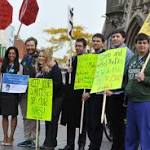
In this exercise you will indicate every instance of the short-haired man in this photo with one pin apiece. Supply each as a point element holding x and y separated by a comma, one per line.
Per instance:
<point>138,92</point>
<point>71,110</point>
<point>28,63</point>
<point>94,103</point>
<point>116,111</point>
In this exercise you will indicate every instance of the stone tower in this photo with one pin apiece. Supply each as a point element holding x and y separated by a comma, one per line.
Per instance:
<point>128,15</point>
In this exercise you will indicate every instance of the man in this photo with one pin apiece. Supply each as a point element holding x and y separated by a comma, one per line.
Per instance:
<point>28,63</point>
<point>138,92</point>
<point>94,103</point>
<point>116,111</point>
<point>71,110</point>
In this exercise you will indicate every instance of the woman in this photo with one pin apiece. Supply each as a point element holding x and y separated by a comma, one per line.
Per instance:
<point>9,101</point>
<point>46,67</point>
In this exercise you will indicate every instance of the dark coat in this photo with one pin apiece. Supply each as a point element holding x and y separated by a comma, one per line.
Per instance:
<point>71,107</point>
<point>28,63</point>
<point>56,76</point>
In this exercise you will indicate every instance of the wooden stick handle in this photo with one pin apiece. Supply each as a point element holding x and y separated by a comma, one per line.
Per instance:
<point>103,107</point>
<point>145,64</point>
<point>70,61</point>
<point>37,135</point>
<point>18,31</point>
<point>82,114</point>
<point>70,65</point>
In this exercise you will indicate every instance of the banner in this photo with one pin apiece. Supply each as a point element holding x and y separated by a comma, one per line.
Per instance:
<point>146,26</point>
<point>14,83</point>
<point>39,106</point>
<point>86,65</point>
<point>110,70</point>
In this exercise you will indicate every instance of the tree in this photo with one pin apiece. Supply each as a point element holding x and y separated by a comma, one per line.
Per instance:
<point>59,37</point>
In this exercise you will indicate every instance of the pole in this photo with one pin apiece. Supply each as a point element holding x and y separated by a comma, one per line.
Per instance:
<point>82,114</point>
<point>145,64</point>
<point>70,61</point>
<point>70,30</point>
<point>18,31</point>
<point>37,135</point>
<point>103,107</point>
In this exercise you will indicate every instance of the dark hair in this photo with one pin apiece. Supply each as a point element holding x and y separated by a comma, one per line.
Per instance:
<point>32,39</point>
<point>6,60</point>
<point>98,35</point>
<point>82,40</point>
<point>122,32</point>
<point>141,37</point>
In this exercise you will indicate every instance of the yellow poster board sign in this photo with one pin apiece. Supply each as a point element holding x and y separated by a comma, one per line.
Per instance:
<point>109,70</point>
<point>39,104</point>
<point>146,26</point>
<point>86,65</point>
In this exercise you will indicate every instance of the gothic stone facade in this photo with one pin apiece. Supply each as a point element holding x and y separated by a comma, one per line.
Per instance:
<point>128,15</point>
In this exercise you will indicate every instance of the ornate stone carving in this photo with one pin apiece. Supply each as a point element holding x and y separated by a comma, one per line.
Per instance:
<point>115,21</point>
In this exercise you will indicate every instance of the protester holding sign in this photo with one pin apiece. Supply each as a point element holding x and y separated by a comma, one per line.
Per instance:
<point>116,111</point>
<point>138,92</point>
<point>94,103</point>
<point>71,110</point>
<point>9,101</point>
<point>46,67</point>
<point>28,63</point>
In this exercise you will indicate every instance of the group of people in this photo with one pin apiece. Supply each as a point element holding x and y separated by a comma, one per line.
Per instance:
<point>39,64</point>
<point>135,89</point>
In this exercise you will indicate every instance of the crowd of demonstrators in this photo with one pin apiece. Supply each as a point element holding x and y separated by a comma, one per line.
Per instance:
<point>138,92</point>
<point>116,110</point>
<point>28,63</point>
<point>46,67</point>
<point>9,101</point>
<point>136,86</point>
<point>72,103</point>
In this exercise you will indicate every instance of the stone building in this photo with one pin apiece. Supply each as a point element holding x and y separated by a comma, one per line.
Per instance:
<point>128,15</point>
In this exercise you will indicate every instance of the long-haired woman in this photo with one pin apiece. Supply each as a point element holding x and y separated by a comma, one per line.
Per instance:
<point>46,67</point>
<point>9,101</point>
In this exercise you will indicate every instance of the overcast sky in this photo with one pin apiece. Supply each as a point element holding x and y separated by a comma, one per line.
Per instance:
<point>53,13</point>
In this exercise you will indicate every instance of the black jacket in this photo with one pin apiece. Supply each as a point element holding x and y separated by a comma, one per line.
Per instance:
<point>71,107</point>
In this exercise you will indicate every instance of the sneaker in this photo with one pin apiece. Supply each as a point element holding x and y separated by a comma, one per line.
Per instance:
<point>26,143</point>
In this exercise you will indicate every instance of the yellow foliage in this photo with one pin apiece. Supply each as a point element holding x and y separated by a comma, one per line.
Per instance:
<point>59,36</point>
<point>55,30</point>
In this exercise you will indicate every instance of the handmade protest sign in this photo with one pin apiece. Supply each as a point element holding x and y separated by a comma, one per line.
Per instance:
<point>14,83</point>
<point>86,65</point>
<point>146,26</point>
<point>109,70</point>
<point>39,105</point>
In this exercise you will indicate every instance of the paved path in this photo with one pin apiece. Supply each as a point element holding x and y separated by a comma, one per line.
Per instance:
<point>61,138</point>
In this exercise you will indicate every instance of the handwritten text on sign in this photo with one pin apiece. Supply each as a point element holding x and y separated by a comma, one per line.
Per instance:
<point>39,105</point>
<point>109,71</point>
<point>85,71</point>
